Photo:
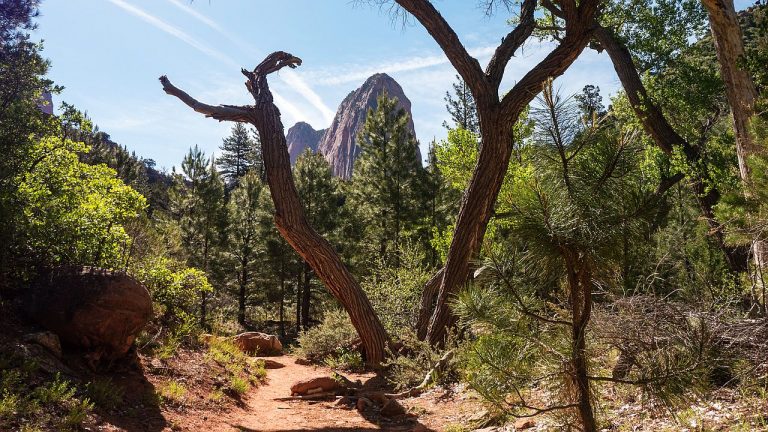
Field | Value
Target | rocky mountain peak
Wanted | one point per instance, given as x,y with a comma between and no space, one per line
338,143
300,137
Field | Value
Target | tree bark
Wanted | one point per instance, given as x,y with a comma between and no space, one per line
242,291
298,301
740,90
290,218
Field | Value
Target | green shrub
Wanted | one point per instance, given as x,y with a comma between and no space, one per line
408,370
104,393
173,392
395,292
345,359
77,413
57,391
238,385
334,333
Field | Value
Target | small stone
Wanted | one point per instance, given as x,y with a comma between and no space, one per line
261,343
344,403
47,340
271,364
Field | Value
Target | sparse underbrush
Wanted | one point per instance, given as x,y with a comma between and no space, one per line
240,371
33,400
330,342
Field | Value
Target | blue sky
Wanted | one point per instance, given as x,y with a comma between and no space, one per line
109,53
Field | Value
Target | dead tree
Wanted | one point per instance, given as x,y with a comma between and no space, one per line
289,213
497,117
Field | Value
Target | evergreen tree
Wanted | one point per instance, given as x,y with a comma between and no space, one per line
441,202
385,180
461,107
240,152
319,195
199,204
245,243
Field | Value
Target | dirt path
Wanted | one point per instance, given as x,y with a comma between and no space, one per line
263,411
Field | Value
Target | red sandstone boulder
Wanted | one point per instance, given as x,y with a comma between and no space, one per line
95,309
261,343
311,386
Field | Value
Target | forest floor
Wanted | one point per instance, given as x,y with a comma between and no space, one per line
264,408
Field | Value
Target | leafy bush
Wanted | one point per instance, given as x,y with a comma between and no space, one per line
345,359
333,334
74,212
395,292
238,385
241,370
416,359
29,402
175,291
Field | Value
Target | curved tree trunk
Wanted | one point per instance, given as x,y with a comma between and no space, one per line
289,213
497,119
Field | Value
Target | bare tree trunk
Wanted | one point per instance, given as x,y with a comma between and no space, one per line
580,286
242,291
298,302
289,214
739,87
740,90
281,309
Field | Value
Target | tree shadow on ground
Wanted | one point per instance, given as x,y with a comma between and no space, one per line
128,400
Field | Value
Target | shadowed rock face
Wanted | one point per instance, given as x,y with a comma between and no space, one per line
338,143
98,310
300,137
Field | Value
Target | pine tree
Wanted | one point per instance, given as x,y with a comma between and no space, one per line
199,204
319,195
441,202
461,107
386,177
240,152
245,243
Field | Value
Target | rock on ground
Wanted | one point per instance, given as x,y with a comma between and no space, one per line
47,340
261,343
99,310
325,383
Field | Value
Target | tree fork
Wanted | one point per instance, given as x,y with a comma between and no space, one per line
497,118
289,215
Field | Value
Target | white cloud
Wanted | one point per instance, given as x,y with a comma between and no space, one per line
288,76
178,33
357,73
173,31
